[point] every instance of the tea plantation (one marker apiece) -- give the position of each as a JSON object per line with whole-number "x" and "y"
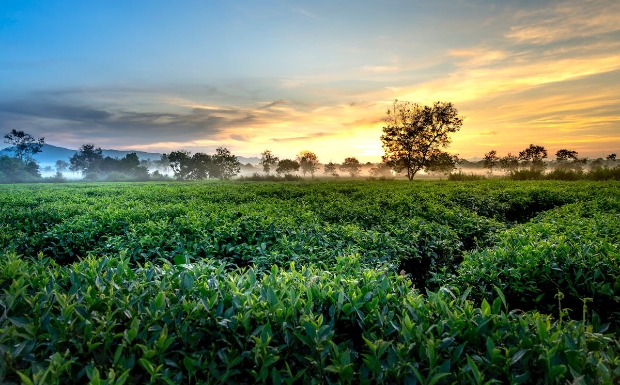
{"x": 359, "y": 282}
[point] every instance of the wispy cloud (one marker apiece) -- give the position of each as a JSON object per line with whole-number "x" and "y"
{"x": 566, "y": 20}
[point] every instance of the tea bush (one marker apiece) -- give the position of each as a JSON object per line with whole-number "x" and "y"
{"x": 573, "y": 250}
{"x": 100, "y": 320}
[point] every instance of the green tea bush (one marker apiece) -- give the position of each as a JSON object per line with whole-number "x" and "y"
{"x": 100, "y": 320}
{"x": 574, "y": 250}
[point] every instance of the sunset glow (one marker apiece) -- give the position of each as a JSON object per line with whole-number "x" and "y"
{"x": 249, "y": 76}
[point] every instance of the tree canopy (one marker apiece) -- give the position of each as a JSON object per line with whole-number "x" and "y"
{"x": 308, "y": 162}
{"x": 25, "y": 145}
{"x": 352, "y": 166}
{"x": 414, "y": 134}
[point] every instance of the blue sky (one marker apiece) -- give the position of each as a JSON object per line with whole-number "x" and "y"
{"x": 295, "y": 75}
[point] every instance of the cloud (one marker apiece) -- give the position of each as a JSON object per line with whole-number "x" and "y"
{"x": 488, "y": 133}
{"x": 566, "y": 20}
{"x": 300, "y": 138}
{"x": 275, "y": 103}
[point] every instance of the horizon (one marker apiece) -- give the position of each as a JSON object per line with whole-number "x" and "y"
{"x": 159, "y": 77}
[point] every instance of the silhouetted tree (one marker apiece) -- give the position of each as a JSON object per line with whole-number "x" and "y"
{"x": 533, "y": 157}
{"x": 568, "y": 160}
{"x": 287, "y": 166}
{"x": 352, "y": 166}
{"x": 225, "y": 164}
{"x": 611, "y": 157}
{"x": 414, "y": 134}
{"x": 25, "y": 145}
{"x": 268, "y": 160}
{"x": 491, "y": 160}
{"x": 180, "y": 163}
{"x": 509, "y": 163}
{"x": 201, "y": 166}
{"x": 83, "y": 160}
{"x": 308, "y": 162}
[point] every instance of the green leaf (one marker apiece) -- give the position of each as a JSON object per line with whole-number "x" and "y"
{"x": 518, "y": 355}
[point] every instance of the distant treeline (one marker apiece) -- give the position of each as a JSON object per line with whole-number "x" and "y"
{"x": 182, "y": 165}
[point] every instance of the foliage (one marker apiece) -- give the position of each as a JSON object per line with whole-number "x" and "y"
{"x": 461, "y": 176}
{"x": 309, "y": 282}
{"x": 308, "y": 162}
{"x": 442, "y": 163}
{"x": 25, "y": 146}
{"x": 415, "y": 134}
{"x": 226, "y": 165}
{"x": 491, "y": 160}
{"x": 567, "y": 160}
{"x": 509, "y": 163}
{"x": 185, "y": 166}
{"x": 15, "y": 170}
{"x": 533, "y": 157}
{"x": 287, "y": 166}
{"x": 352, "y": 166}
{"x": 574, "y": 250}
{"x": 330, "y": 169}
{"x": 268, "y": 160}
{"x": 85, "y": 159}
{"x": 380, "y": 170}
{"x": 103, "y": 321}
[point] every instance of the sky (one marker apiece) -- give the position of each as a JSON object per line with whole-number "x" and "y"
{"x": 310, "y": 75}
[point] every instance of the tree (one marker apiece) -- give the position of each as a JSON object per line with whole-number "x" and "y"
{"x": 491, "y": 160}
{"x": 25, "y": 145}
{"x": 84, "y": 160}
{"x": 308, "y": 162}
{"x": 181, "y": 164}
{"x": 414, "y": 134}
{"x": 611, "y": 157}
{"x": 225, "y": 164}
{"x": 287, "y": 166}
{"x": 352, "y": 166}
{"x": 201, "y": 166}
{"x": 509, "y": 163}
{"x": 533, "y": 157}
{"x": 268, "y": 160}
{"x": 330, "y": 169}
{"x": 442, "y": 163}
{"x": 163, "y": 163}
{"x": 568, "y": 160}
{"x": 61, "y": 165}
{"x": 381, "y": 170}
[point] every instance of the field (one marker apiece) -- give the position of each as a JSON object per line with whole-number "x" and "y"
{"x": 364, "y": 282}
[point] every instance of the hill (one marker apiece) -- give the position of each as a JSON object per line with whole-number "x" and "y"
{"x": 50, "y": 154}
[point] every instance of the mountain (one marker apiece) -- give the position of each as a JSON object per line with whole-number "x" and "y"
{"x": 50, "y": 154}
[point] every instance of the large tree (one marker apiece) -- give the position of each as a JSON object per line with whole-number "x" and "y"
{"x": 225, "y": 164}
{"x": 308, "y": 162}
{"x": 415, "y": 134}
{"x": 86, "y": 157}
{"x": 267, "y": 160}
{"x": 25, "y": 145}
